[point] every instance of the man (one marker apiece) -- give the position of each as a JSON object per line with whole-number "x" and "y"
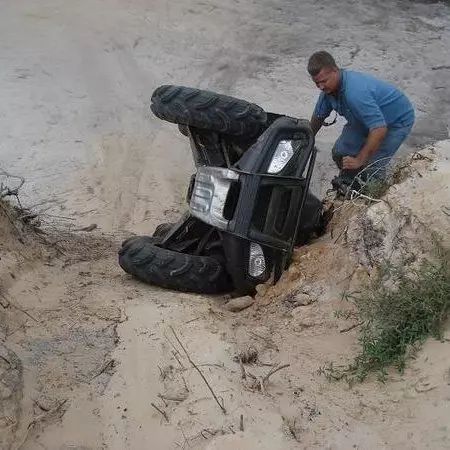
{"x": 379, "y": 116}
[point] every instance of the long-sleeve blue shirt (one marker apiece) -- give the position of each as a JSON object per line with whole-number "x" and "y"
{"x": 367, "y": 102}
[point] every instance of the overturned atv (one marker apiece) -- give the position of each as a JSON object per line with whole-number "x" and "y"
{"x": 249, "y": 202}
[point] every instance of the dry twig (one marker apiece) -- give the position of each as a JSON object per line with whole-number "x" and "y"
{"x": 175, "y": 350}
{"x": 7, "y": 303}
{"x": 291, "y": 427}
{"x": 185, "y": 384}
{"x": 107, "y": 365}
{"x": 38, "y": 419}
{"x": 344, "y": 230}
{"x": 221, "y": 366}
{"x": 13, "y": 223}
{"x": 178, "y": 360}
{"x": 356, "y": 194}
{"x": 259, "y": 383}
{"x": 192, "y": 320}
{"x": 269, "y": 343}
{"x": 243, "y": 375}
{"x": 5, "y": 190}
{"x": 351, "y": 327}
{"x": 172, "y": 398}
{"x": 163, "y": 413}
{"x": 274, "y": 370}
{"x": 198, "y": 370}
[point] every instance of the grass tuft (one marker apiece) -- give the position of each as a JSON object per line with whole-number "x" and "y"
{"x": 400, "y": 311}
{"x": 376, "y": 188}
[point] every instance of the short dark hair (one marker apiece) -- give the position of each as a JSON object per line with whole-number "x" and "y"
{"x": 320, "y": 60}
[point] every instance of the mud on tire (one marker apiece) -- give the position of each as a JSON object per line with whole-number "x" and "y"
{"x": 208, "y": 110}
{"x": 166, "y": 268}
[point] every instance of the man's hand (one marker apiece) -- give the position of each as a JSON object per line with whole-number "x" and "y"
{"x": 350, "y": 162}
{"x": 374, "y": 140}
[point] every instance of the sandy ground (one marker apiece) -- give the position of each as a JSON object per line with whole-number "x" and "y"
{"x": 76, "y": 78}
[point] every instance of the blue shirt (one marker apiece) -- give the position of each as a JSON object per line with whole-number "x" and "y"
{"x": 367, "y": 102}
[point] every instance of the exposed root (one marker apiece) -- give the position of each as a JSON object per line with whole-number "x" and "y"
{"x": 259, "y": 384}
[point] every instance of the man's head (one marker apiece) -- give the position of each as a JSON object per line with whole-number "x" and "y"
{"x": 324, "y": 72}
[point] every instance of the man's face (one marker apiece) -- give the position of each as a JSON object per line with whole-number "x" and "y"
{"x": 327, "y": 80}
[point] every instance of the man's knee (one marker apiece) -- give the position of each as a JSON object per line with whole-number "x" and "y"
{"x": 379, "y": 164}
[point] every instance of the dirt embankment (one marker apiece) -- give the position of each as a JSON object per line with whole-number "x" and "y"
{"x": 89, "y": 358}
{"x": 53, "y": 338}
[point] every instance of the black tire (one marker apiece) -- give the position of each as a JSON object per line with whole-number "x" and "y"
{"x": 173, "y": 270}
{"x": 208, "y": 110}
{"x": 134, "y": 239}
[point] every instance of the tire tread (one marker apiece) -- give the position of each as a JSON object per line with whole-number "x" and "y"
{"x": 166, "y": 268}
{"x": 208, "y": 110}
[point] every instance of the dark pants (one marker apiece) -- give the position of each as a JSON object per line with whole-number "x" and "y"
{"x": 351, "y": 141}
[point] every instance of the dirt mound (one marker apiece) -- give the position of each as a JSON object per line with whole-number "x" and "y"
{"x": 401, "y": 228}
{"x": 11, "y": 391}
{"x": 16, "y": 249}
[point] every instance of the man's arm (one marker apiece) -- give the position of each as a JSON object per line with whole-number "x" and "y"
{"x": 316, "y": 124}
{"x": 321, "y": 112}
{"x": 374, "y": 140}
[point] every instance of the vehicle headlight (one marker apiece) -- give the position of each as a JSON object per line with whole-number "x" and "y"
{"x": 281, "y": 157}
{"x": 256, "y": 263}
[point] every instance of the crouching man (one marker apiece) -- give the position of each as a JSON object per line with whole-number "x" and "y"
{"x": 379, "y": 116}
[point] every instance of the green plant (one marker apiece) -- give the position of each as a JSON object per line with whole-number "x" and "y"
{"x": 344, "y": 314}
{"x": 399, "y": 311}
{"x": 375, "y": 188}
